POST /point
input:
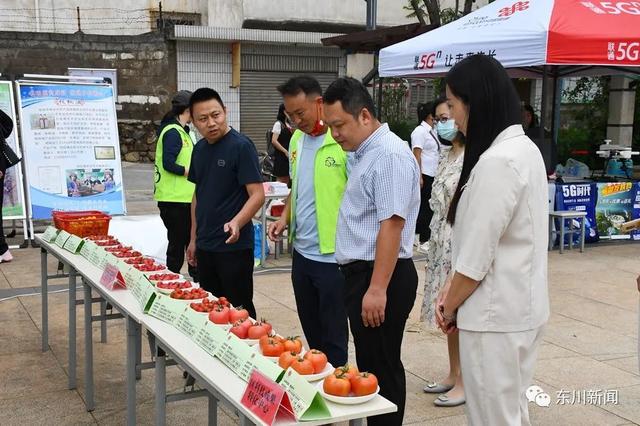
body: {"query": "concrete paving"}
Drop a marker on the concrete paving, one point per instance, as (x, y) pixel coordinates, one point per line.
(590, 343)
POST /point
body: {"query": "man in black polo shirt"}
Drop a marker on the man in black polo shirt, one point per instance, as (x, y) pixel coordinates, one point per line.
(229, 192)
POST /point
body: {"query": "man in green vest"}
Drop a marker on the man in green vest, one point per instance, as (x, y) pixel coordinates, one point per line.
(318, 170)
(172, 190)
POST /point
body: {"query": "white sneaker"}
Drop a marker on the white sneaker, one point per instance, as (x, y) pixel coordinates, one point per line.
(423, 248)
(6, 257)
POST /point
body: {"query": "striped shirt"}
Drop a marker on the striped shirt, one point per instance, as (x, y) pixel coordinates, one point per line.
(384, 182)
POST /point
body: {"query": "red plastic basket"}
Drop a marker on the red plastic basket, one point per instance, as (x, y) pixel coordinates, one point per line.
(82, 223)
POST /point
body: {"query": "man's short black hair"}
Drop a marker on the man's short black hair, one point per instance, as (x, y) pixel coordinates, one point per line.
(352, 95)
(204, 94)
(300, 84)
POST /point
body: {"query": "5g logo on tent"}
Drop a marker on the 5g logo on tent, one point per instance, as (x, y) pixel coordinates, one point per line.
(536, 394)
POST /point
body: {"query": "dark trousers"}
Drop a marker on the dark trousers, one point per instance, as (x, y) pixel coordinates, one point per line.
(228, 274)
(425, 214)
(3, 242)
(177, 219)
(378, 348)
(319, 292)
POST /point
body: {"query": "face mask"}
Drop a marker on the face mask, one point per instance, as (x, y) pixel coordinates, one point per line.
(318, 127)
(447, 130)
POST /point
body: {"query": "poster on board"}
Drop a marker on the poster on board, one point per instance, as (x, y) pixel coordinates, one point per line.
(618, 210)
(13, 205)
(71, 146)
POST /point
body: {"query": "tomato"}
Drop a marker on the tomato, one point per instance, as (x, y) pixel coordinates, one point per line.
(223, 301)
(246, 324)
(318, 359)
(272, 348)
(219, 315)
(348, 370)
(239, 330)
(267, 324)
(256, 331)
(236, 314)
(337, 385)
(364, 384)
(293, 344)
(286, 358)
(302, 366)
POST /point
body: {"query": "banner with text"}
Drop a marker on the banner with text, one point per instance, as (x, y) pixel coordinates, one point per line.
(13, 201)
(72, 149)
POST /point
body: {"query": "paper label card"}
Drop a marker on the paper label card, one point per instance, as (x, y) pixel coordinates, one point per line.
(256, 361)
(190, 322)
(166, 308)
(98, 255)
(111, 278)
(266, 399)
(210, 337)
(87, 249)
(143, 291)
(306, 401)
(73, 244)
(234, 353)
(50, 234)
(62, 238)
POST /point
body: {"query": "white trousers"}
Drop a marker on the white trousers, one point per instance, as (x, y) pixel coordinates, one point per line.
(497, 369)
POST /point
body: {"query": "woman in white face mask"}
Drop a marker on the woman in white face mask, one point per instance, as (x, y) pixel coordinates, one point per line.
(439, 248)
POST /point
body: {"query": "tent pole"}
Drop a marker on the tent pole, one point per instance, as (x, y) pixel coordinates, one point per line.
(380, 98)
(543, 108)
(557, 102)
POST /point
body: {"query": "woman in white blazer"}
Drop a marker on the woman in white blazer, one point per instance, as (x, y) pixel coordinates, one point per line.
(497, 296)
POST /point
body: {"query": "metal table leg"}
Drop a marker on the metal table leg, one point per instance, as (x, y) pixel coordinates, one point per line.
(213, 410)
(88, 349)
(138, 351)
(44, 295)
(582, 234)
(161, 388)
(103, 322)
(263, 242)
(72, 330)
(561, 235)
(131, 371)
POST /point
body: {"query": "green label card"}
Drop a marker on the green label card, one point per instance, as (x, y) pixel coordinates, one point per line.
(98, 256)
(257, 362)
(305, 400)
(210, 337)
(190, 322)
(62, 238)
(166, 308)
(234, 353)
(50, 234)
(106, 259)
(87, 249)
(73, 244)
(143, 291)
(132, 276)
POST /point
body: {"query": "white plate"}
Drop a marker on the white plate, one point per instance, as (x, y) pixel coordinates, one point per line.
(180, 278)
(347, 400)
(167, 290)
(328, 369)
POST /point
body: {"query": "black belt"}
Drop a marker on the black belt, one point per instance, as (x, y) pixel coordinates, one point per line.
(359, 266)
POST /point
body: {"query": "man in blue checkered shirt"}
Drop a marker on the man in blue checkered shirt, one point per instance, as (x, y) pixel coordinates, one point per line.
(374, 241)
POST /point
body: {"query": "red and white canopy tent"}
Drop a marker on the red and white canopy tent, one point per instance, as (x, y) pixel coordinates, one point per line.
(523, 34)
(548, 38)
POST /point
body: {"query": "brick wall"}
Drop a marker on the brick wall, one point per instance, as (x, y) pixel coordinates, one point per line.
(146, 67)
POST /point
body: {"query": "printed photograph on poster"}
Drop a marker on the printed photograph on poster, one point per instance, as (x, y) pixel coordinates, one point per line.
(71, 146)
(49, 179)
(42, 121)
(104, 153)
(616, 212)
(86, 182)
